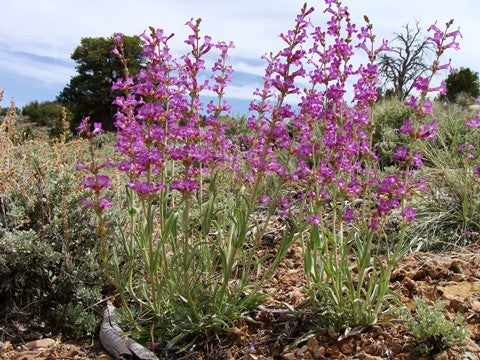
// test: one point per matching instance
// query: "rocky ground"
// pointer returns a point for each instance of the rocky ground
(453, 277)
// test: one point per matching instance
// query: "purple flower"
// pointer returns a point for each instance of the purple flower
(106, 163)
(97, 128)
(412, 102)
(477, 170)
(81, 166)
(421, 185)
(384, 206)
(428, 107)
(96, 183)
(184, 185)
(104, 203)
(264, 199)
(428, 131)
(373, 225)
(88, 183)
(421, 84)
(315, 220)
(84, 126)
(408, 213)
(103, 181)
(406, 128)
(86, 202)
(474, 123)
(144, 188)
(118, 38)
(348, 216)
(417, 159)
(401, 154)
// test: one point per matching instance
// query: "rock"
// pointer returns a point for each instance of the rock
(289, 356)
(365, 356)
(5, 346)
(457, 277)
(104, 357)
(476, 306)
(457, 267)
(346, 349)
(42, 343)
(456, 305)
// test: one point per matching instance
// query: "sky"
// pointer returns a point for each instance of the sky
(38, 37)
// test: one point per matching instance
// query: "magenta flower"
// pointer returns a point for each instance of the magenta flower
(97, 128)
(315, 220)
(412, 102)
(477, 170)
(428, 107)
(104, 203)
(348, 216)
(373, 225)
(81, 166)
(144, 188)
(474, 123)
(421, 84)
(428, 131)
(409, 213)
(406, 128)
(86, 202)
(103, 181)
(263, 200)
(401, 154)
(96, 183)
(84, 126)
(184, 185)
(417, 159)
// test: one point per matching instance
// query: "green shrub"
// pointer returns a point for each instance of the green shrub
(48, 251)
(449, 213)
(45, 113)
(432, 330)
(388, 117)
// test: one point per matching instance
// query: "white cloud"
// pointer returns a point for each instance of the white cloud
(50, 75)
(252, 69)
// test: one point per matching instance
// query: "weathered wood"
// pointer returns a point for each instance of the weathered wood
(115, 343)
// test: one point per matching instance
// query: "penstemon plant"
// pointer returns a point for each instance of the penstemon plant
(188, 264)
(346, 201)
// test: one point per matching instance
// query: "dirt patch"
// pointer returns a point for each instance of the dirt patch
(453, 277)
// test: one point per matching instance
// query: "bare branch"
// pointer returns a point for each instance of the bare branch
(407, 60)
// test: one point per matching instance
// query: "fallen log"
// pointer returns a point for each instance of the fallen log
(115, 343)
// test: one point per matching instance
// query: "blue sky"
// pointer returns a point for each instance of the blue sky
(38, 37)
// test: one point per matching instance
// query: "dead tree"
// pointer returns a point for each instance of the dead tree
(406, 61)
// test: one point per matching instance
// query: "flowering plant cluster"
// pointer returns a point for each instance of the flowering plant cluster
(175, 151)
(185, 256)
(325, 145)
